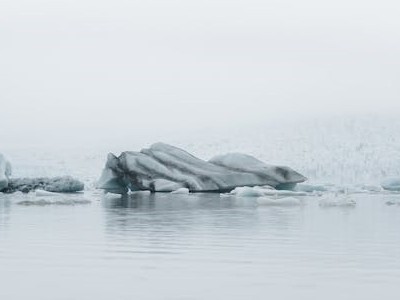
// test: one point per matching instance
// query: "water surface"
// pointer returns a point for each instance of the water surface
(199, 247)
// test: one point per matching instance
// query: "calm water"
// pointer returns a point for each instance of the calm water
(199, 247)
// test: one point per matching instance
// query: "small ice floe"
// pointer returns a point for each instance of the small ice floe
(391, 184)
(260, 191)
(274, 201)
(111, 196)
(225, 195)
(337, 200)
(181, 191)
(246, 191)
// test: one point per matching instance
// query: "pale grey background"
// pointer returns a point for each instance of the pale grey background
(83, 68)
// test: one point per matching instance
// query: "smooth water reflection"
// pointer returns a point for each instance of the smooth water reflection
(199, 247)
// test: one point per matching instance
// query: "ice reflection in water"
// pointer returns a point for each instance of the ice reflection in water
(200, 247)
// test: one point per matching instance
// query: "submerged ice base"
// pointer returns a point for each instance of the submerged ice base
(164, 168)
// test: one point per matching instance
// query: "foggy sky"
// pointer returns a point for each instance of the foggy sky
(84, 67)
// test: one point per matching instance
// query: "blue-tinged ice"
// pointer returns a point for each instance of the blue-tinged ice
(391, 184)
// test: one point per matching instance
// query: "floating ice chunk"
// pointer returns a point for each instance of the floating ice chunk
(182, 191)
(166, 168)
(5, 172)
(225, 195)
(64, 184)
(391, 184)
(111, 196)
(337, 201)
(246, 191)
(274, 201)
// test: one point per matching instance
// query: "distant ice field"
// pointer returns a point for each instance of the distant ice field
(342, 151)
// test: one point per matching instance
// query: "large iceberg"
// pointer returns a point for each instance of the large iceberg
(5, 172)
(164, 168)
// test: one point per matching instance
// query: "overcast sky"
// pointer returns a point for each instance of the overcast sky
(83, 67)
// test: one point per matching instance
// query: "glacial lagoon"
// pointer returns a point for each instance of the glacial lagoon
(199, 246)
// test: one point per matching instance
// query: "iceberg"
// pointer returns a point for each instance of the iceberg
(62, 184)
(165, 168)
(5, 172)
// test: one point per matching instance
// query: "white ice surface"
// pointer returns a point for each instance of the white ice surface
(258, 191)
